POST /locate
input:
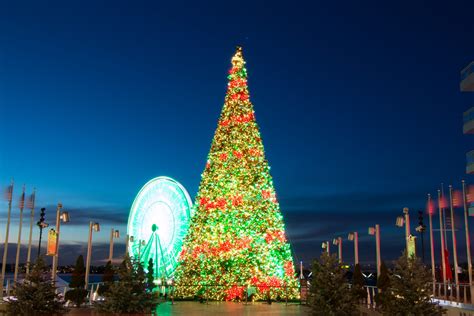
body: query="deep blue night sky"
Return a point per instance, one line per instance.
(358, 104)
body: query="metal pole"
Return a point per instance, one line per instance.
(88, 260)
(356, 247)
(433, 268)
(339, 246)
(377, 245)
(468, 240)
(453, 234)
(407, 228)
(5, 246)
(329, 250)
(32, 218)
(443, 247)
(111, 247)
(56, 255)
(39, 242)
(127, 240)
(18, 244)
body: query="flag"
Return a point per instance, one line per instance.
(449, 274)
(9, 193)
(442, 203)
(430, 207)
(457, 199)
(470, 194)
(22, 200)
(31, 201)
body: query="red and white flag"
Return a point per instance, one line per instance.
(9, 193)
(470, 194)
(457, 199)
(22, 200)
(442, 203)
(31, 201)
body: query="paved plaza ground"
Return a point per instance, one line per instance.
(216, 308)
(231, 308)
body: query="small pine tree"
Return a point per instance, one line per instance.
(358, 283)
(77, 294)
(36, 295)
(410, 290)
(383, 283)
(107, 278)
(331, 294)
(150, 278)
(78, 275)
(128, 294)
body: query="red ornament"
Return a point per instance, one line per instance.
(225, 122)
(204, 201)
(289, 270)
(221, 203)
(223, 157)
(244, 96)
(274, 281)
(237, 200)
(234, 292)
(266, 194)
(237, 154)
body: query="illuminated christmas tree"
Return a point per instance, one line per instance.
(236, 240)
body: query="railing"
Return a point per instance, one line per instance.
(451, 292)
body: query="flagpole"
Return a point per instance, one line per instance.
(32, 218)
(453, 234)
(468, 239)
(5, 246)
(430, 216)
(18, 244)
(377, 246)
(441, 231)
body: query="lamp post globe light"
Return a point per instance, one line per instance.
(375, 231)
(325, 246)
(338, 242)
(92, 227)
(61, 216)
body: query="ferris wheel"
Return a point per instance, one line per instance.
(157, 224)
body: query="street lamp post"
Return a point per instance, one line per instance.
(326, 247)
(140, 244)
(60, 217)
(375, 231)
(113, 234)
(405, 220)
(355, 238)
(128, 239)
(92, 227)
(338, 242)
